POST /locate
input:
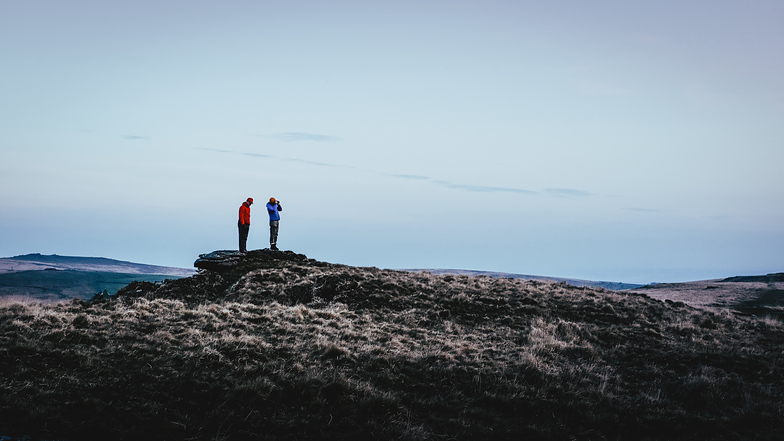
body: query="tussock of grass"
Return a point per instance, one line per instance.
(288, 348)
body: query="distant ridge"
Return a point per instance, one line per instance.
(36, 261)
(769, 278)
(55, 278)
(614, 286)
(56, 258)
(752, 295)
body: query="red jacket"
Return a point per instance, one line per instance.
(244, 214)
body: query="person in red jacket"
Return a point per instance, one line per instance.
(244, 224)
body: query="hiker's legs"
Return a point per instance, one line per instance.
(244, 230)
(273, 233)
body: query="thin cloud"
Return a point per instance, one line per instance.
(299, 136)
(484, 189)
(214, 150)
(320, 164)
(261, 155)
(641, 210)
(411, 177)
(465, 187)
(135, 137)
(567, 192)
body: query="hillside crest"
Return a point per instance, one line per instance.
(279, 346)
(37, 262)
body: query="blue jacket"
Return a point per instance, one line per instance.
(273, 211)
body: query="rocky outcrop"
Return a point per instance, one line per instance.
(228, 261)
(218, 260)
(220, 270)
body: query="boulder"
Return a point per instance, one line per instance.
(218, 260)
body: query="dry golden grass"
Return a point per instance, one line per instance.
(289, 348)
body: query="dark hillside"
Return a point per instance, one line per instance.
(274, 345)
(768, 278)
(55, 285)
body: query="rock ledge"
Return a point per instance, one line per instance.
(218, 260)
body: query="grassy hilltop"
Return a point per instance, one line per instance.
(285, 347)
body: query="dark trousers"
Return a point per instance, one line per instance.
(244, 230)
(273, 232)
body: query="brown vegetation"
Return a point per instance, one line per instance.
(284, 347)
(749, 295)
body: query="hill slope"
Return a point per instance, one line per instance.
(35, 262)
(57, 286)
(615, 286)
(56, 278)
(278, 346)
(757, 295)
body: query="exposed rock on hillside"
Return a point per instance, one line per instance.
(226, 261)
(218, 260)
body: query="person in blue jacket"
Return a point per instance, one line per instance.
(274, 209)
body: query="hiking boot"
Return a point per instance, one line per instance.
(274, 247)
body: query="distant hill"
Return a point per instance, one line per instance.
(754, 295)
(56, 278)
(615, 286)
(33, 262)
(59, 285)
(769, 278)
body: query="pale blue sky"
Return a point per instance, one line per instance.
(604, 140)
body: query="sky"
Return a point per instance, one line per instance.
(607, 140)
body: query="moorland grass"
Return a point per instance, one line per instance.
(284, 347)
